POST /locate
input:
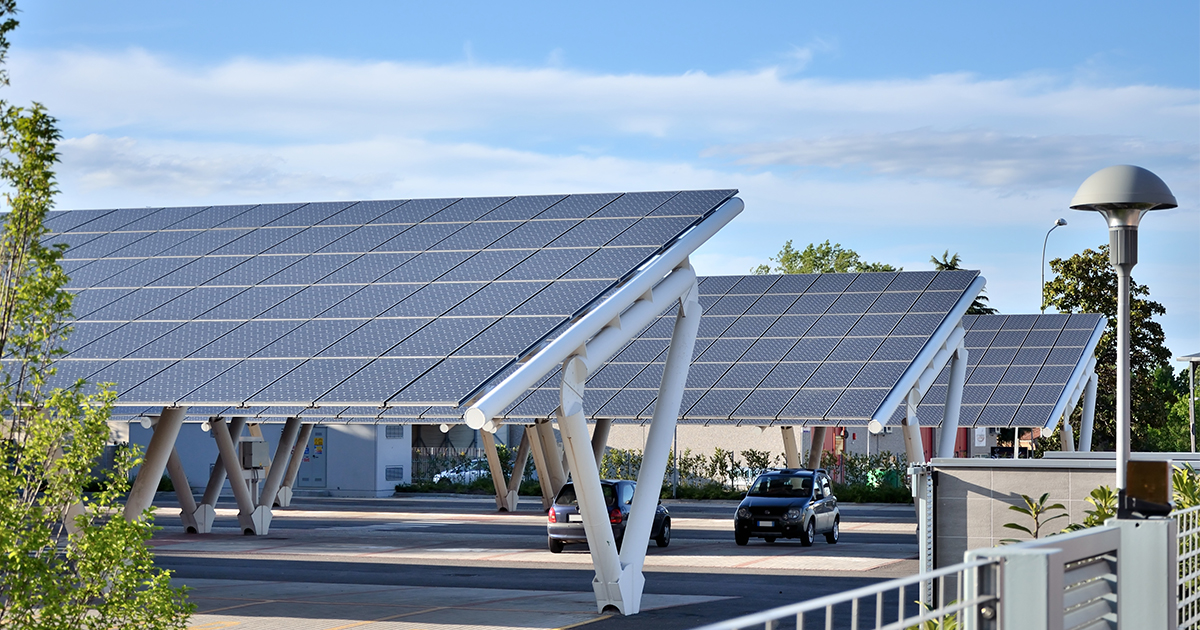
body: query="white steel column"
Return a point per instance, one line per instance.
(611, 585)
(658, 447)
(497, 470)
(283, 498)
(791, 452)
(552, 455)
(518, 473)
(141, 495)
(280, 462)
(913, 445)
(252, 520)
(600, 439)
(206, 512)
(817, 447)
(954, 394)
(539, 464)
(1067, 436)
(1089, 415)
(183, 492)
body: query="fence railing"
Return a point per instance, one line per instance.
(1188, 523)
(891, 605)
(1062, 582)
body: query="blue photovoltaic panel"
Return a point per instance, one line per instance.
(365, 304)
(1019, 368)
(817, 348)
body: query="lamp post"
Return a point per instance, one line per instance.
(1191, 360)
(1123, 195)
(1057, 224)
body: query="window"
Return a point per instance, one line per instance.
(394, 432)
(627, 494)
(393, 473)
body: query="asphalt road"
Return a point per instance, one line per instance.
(473, 521)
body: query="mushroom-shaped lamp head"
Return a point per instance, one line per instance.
(1123, 194)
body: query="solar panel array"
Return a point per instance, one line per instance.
(333, 309)
(1017, 369)
(814, 348)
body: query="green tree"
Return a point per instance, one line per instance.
(951, 263)
(1086, 283)
(67, 560)
(820, 258)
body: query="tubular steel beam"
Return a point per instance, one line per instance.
(790, 451)
(658, 444)
(600, 439)
(816, 448)
(162, 442)
(283, 498)
(1087, 422)
(183, 492)
(545, 482)
(252, 519)
(280, 462)
(954, 394)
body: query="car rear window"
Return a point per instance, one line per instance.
(566, 496)
(782, 486)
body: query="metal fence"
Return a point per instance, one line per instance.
(1063, 582)
(891, 605)
(1188, 522)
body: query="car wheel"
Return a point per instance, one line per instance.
(769, 539)
(741, 538)
(664, 536)
(556, 546)
(831, 536)
(809, 533)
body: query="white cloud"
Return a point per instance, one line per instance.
(980, 158)
(336, 99)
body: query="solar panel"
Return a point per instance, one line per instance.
(1022, 365)
(821, 348)
(346, 304)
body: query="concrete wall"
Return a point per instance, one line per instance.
(973, 496)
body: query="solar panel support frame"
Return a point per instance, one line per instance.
(1066, 404)
(934, 349)
(619, 580)
(1087, 422)
(954, 393)
(480, 412)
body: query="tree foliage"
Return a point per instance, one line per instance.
(951, 263)
(1086, 283)
(67, 560)
(820, 258)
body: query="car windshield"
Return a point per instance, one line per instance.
(782, 486)
(566, 496)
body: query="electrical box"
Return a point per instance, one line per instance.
(254, 454)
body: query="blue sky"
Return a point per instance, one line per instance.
(897, 129)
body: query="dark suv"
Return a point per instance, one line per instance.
(565, 525)
(788, 503)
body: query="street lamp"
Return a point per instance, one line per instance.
(1123, 194)
(1057, 224)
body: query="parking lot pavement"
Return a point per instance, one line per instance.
(329, 564)
(264, 605)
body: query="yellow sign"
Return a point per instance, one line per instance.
(318, 441)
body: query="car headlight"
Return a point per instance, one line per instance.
(743, 514)
(793, 514)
